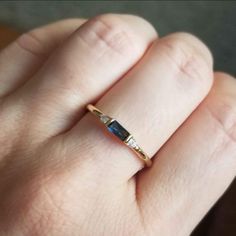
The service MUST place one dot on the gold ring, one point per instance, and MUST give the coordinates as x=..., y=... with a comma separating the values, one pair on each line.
x=120, y=132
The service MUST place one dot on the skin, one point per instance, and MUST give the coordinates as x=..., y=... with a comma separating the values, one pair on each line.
x=61, y=173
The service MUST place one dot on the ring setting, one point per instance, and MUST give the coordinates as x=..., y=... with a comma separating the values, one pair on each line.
x=114, y=127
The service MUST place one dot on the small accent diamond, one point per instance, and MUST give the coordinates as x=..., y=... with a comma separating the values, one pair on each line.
x=104, y=119
x=132, y=143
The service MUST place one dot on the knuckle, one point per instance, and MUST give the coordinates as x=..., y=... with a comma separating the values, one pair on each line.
x=109, y=31
x=32, y=43
x=223, y=117
x=192, y=45
x=222, y=105
x=43, y=40
x=189, y=56
x=224, y=113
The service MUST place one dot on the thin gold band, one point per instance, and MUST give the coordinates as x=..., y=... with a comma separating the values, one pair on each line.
x=119, y=131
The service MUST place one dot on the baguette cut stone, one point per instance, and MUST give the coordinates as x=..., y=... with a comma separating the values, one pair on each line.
x=118, y=130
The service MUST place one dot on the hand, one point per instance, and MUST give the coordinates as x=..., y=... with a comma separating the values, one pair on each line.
x=62, y=173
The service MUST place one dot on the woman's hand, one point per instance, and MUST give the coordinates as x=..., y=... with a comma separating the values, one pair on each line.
x=62, y=174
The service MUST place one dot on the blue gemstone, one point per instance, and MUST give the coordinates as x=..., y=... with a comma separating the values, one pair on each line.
x=118, y=130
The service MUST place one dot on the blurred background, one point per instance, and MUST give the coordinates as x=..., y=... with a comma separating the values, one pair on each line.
x=214, y=22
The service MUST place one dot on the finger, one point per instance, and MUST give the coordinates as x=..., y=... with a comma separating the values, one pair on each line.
x=24, y=56
x=194, y=167
x=83, y=68
x=151, y=102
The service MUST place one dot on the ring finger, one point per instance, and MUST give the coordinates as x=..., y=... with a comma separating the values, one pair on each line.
x=151, y=102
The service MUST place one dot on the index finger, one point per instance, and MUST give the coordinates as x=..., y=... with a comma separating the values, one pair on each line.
x=24, y=56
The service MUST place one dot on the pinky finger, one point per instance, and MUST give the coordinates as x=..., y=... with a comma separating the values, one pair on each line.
x=195, y=166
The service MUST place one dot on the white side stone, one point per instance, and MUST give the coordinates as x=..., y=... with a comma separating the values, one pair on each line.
x=132, y=143
x=104, y=119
